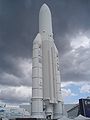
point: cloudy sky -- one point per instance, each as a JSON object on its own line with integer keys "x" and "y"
{"x": 18, "y": 28}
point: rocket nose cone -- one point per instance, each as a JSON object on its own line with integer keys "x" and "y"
{"x": 44, "y": 7}
{"x": 45, "y": 20}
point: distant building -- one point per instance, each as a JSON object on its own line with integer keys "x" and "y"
{"x": 82, "y": 108}
{"x": 27, "y": 107}
{"x": 13, "y": 112}
{"x": 84, "y": 105}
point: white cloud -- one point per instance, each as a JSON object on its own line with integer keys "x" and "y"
{"x": 15, "y": 94}
{"x": 65, "y": 84}
{"x": 85, "y": 88}
{"x": 80, "y": 41}
{"x": 67, "y": 92}
{"x": 68, "y": 84}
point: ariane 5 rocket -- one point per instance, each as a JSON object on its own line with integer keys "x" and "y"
{"x": 46, "y": 84}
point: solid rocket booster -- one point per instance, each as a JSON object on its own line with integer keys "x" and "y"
{"x": 37, "y": 88}
{"x": 46, "y": 83}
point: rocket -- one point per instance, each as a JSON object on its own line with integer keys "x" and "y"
{"x": 46, "y": 84}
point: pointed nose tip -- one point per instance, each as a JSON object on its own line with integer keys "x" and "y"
{"x": 44, "y": 7}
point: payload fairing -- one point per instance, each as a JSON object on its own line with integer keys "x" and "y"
{"x": 46, "y": 85}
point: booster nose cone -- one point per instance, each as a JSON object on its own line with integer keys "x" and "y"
{"x": 45, "y": 20}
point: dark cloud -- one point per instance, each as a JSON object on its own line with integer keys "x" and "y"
{"x": 16, "y": 72}
{"x": 76, "y": 65}
{"x": 15, "y": 23}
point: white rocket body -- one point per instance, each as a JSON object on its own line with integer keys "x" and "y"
{"x": 46, "y": 85}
